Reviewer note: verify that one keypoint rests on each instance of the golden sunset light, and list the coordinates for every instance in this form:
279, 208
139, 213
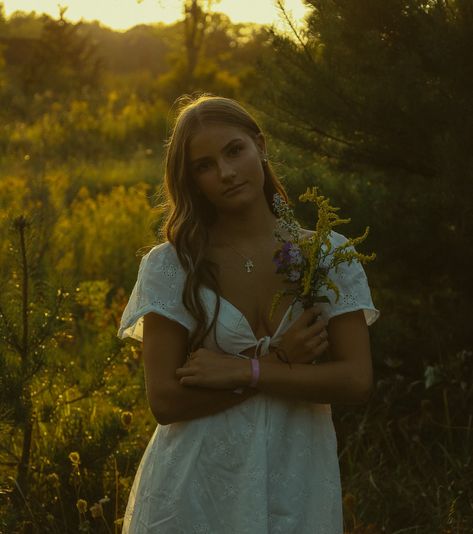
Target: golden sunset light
124, 14
235, 266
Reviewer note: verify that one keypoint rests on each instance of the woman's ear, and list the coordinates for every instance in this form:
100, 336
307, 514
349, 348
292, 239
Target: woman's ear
261, 143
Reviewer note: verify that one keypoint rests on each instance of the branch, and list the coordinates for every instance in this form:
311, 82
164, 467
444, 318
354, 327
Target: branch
349, 103
44, 330
8, 451
10, 336
280, 5
314, 128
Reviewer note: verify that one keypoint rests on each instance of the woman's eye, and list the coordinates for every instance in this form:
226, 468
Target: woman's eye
235, 149
201, 167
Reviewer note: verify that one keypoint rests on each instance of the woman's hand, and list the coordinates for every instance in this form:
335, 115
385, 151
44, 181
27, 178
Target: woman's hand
209, 369
303, 342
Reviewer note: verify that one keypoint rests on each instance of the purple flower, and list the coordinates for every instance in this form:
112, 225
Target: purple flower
293, 276
285, 251
289, 259
295, 255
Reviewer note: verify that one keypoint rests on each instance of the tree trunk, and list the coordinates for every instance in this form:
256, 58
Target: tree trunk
24, 465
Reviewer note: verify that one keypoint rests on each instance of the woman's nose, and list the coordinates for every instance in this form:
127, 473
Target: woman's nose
225, 169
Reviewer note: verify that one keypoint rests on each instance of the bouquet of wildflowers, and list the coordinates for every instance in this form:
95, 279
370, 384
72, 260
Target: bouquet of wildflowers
307, 260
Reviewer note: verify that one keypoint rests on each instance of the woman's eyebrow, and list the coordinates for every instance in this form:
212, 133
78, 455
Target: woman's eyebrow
223, 149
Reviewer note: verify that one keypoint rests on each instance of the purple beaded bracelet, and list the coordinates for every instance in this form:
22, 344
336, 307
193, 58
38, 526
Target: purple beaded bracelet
254, 376
254, 372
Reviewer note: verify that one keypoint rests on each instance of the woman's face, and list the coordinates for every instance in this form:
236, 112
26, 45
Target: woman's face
225, 164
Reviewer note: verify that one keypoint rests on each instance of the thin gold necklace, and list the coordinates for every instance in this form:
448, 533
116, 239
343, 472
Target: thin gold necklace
248, 265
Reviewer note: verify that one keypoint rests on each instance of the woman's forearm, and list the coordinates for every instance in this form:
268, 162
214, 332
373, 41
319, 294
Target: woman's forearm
347, 378
325, 383
186, 403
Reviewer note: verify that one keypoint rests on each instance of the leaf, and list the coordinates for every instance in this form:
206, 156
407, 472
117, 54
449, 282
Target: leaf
432, 376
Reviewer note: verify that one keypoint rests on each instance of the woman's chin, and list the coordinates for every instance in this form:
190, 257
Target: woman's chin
242, 203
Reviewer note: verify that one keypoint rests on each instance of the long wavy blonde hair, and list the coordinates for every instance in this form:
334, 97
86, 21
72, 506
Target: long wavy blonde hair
189, 214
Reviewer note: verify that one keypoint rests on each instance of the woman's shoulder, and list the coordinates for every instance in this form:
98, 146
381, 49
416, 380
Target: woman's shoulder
163, 256
159, 251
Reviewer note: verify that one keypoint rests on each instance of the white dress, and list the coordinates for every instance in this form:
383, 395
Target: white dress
266, 466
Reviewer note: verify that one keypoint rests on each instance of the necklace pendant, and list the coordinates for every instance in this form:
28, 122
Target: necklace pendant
249, 265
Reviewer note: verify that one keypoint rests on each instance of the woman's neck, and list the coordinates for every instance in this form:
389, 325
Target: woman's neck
249, 228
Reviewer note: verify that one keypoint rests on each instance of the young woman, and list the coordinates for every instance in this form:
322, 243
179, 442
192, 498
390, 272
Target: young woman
244, 444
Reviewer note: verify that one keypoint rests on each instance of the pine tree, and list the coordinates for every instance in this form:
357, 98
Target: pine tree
64, 62
383, 89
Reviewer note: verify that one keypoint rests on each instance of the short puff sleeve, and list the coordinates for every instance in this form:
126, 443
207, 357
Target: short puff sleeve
158, 289
351, 280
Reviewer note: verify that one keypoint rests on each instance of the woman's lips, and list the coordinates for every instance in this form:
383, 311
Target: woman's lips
234, 189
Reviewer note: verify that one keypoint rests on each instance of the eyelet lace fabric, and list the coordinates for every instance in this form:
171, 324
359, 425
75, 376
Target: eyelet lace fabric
158, 289
265, 466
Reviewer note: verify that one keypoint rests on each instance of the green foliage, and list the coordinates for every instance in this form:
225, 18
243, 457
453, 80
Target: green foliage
79, 129
21, 24
413, 442
73, 386
63, 61
87, 236
391, 99
70, 385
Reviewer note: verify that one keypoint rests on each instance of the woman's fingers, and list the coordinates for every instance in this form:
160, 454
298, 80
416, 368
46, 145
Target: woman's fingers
317, 327
307, 336
317, 340
324, 334
321, 348
306, 317
183, 371
316, 332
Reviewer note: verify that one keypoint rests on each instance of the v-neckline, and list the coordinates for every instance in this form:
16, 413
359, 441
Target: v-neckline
241, 315
247, 323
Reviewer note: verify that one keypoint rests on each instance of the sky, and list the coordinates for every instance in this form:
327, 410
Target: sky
124, 14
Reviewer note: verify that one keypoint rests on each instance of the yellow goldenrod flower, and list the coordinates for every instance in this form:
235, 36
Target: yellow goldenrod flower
275, 302
81, 505
96, 510
331, 285
320, 257
74, 457
125, 481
